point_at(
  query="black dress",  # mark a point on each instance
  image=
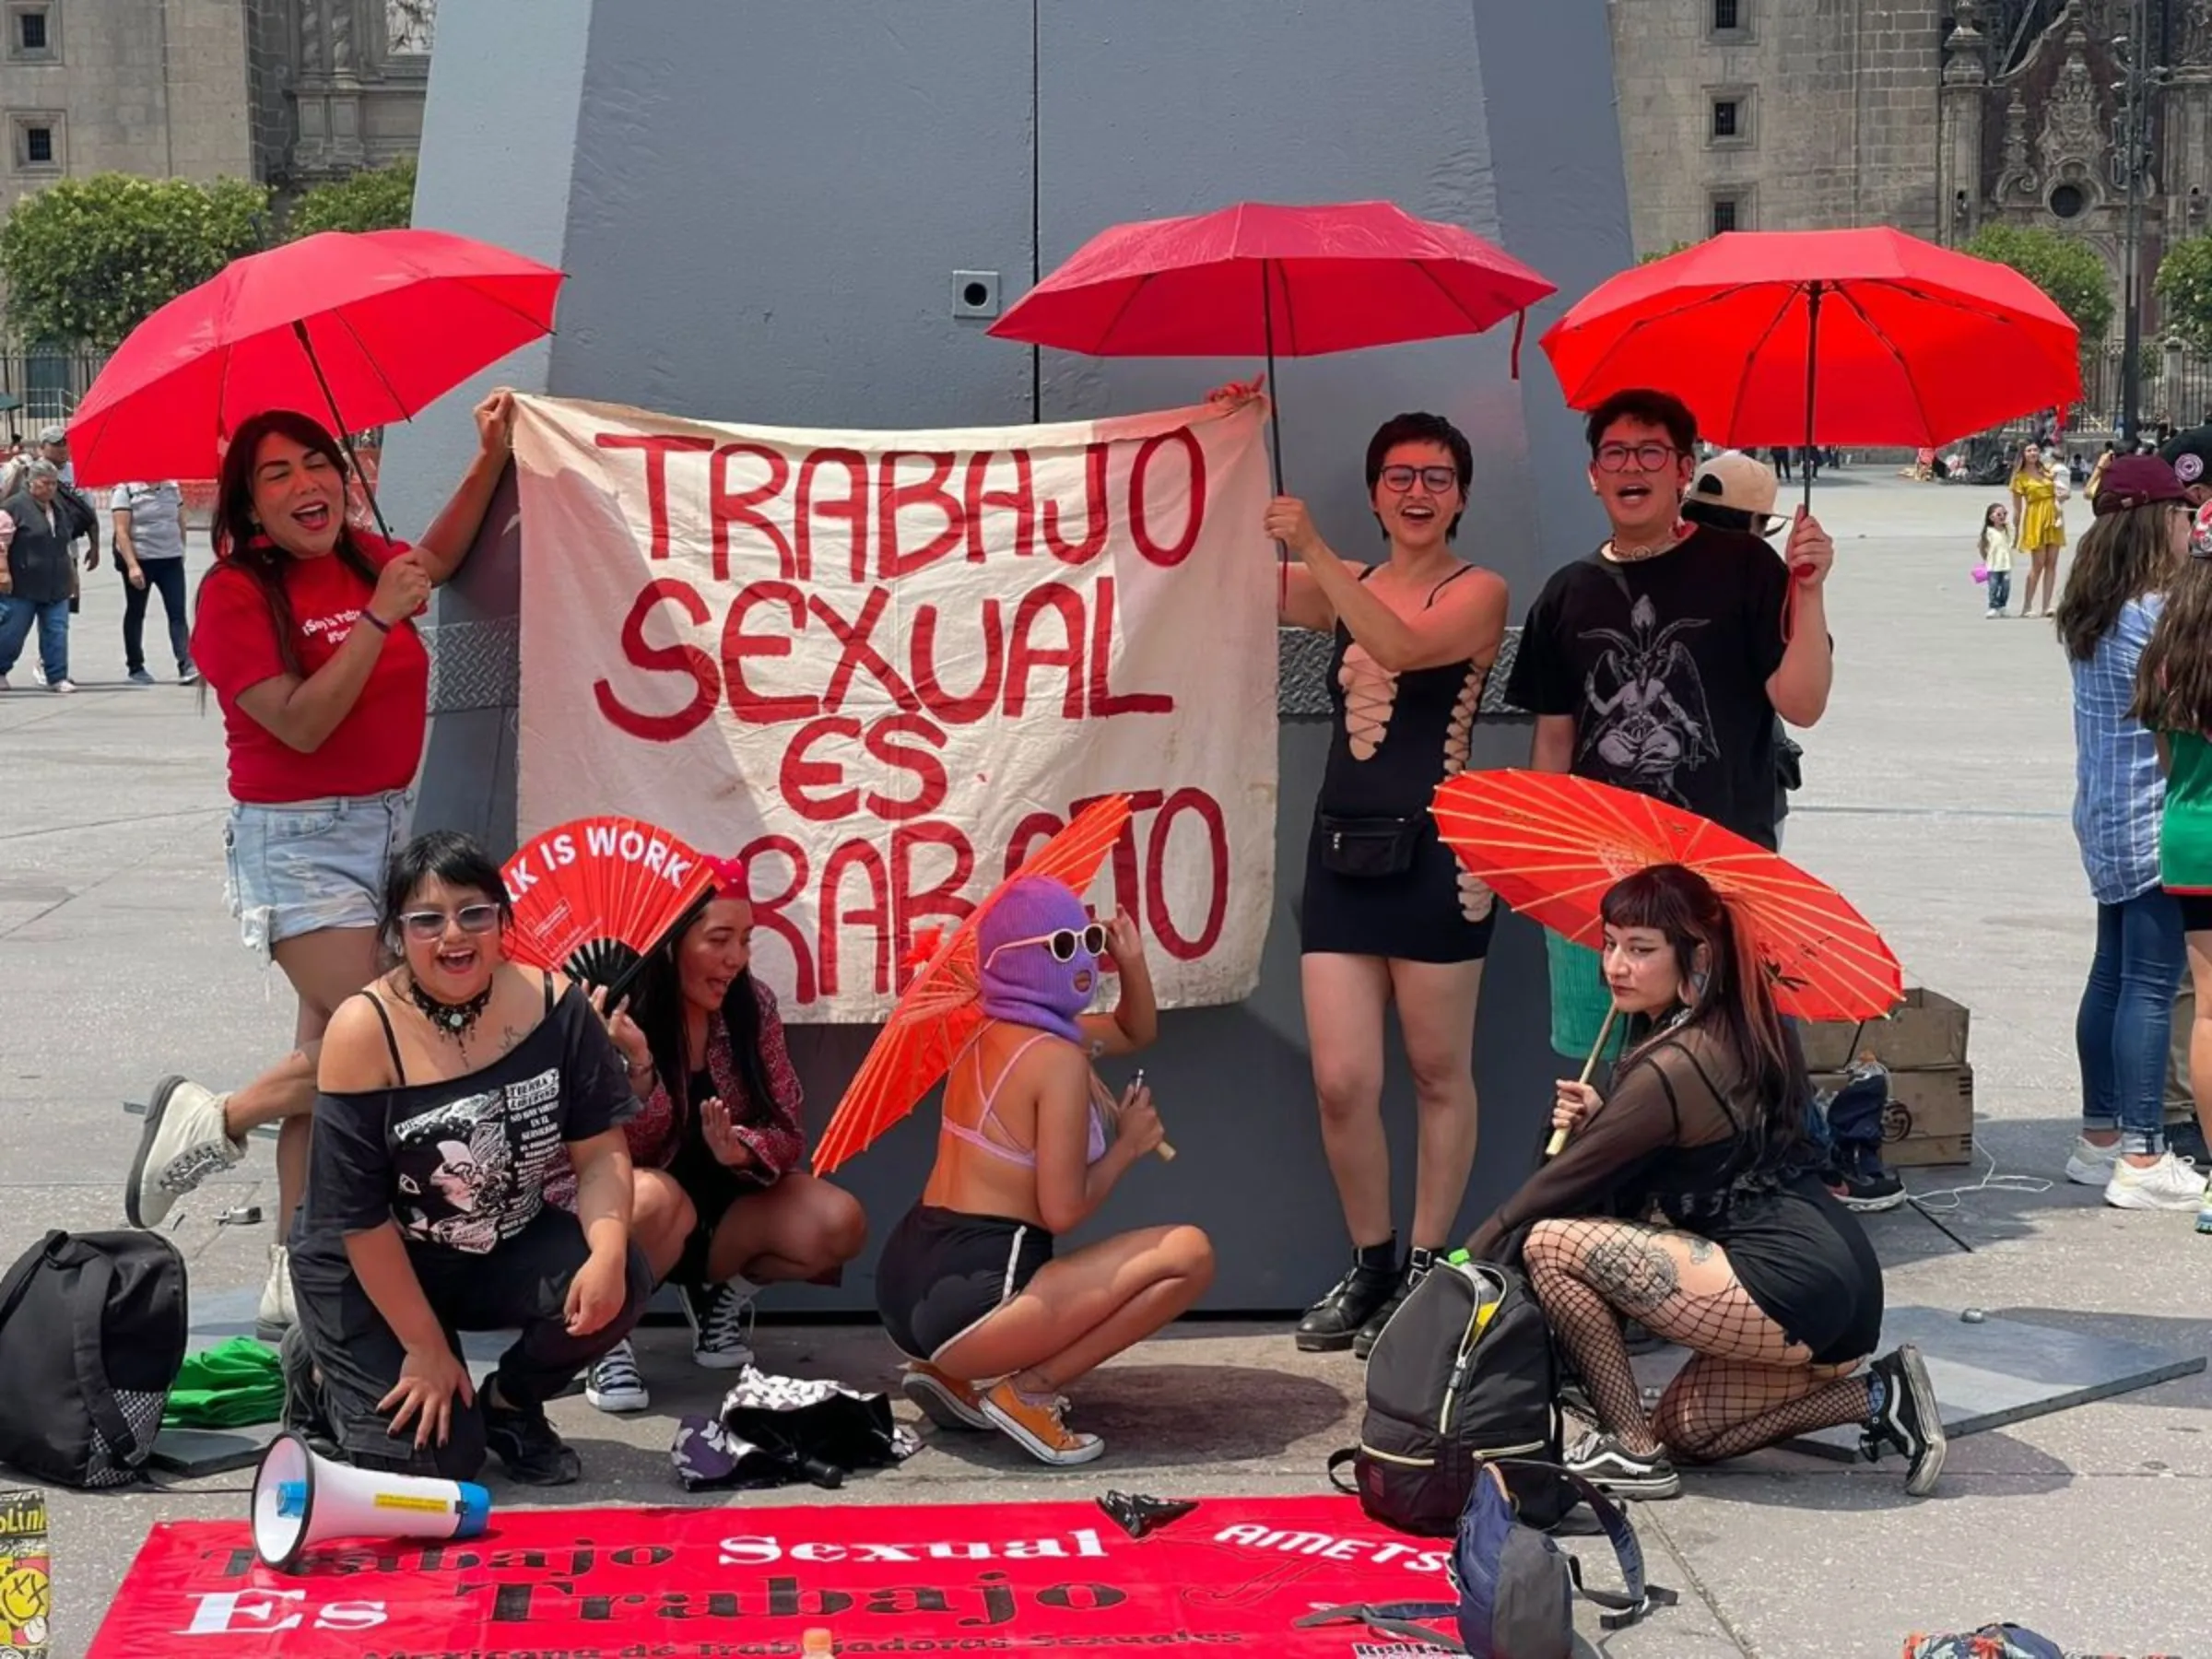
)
(1395, 737)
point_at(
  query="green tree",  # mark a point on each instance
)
(380, 198)
(2066, 269)
(86, 260)
(1666, 253)
(2184, 286)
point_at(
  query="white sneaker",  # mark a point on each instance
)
(63, 686)
(2171, 1183)
(720, 1317)
(277, 1314)
(185, 1141)
(614, 1381)
(38, 672)
(2091, 1165)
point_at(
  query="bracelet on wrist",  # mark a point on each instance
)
(375, 621)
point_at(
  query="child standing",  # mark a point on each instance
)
(1997, 555)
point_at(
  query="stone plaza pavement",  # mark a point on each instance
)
(1937, 796)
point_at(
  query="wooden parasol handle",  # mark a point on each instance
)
(1557, 1142)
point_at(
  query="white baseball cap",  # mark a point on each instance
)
(1742, 484)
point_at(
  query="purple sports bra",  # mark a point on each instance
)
(1009, 1150)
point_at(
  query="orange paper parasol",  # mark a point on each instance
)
(940, 1010)
(1550, 845)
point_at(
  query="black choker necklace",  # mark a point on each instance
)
(455, 1019)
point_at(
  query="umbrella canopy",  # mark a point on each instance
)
(1551, 845)
(939, 1011)
(1260, 277)
(361, 329)
(1823, 337)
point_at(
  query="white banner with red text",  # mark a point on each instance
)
(879, 668)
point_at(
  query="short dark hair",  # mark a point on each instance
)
(1419, 427)
(1652, 408)
(445, 856)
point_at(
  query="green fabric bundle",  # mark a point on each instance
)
(240, 1382)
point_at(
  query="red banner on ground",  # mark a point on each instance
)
(655, 1583)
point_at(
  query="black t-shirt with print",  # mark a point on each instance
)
(1663, 664)
(463, 1162)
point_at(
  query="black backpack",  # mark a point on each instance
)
(92, 1330)
(1462, 1374)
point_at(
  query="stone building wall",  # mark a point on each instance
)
(154, 86)
(1841, 101)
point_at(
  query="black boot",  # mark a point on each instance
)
(1332, 1324)
(1418, 1263)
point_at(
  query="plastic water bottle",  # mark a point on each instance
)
(817, 1644)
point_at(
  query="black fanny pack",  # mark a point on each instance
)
(1367, 846)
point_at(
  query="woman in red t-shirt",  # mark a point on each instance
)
(305, 632)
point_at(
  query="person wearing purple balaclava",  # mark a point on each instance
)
(993, 1323)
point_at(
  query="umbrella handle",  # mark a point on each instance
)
(1557, 1144)
(1165, 1152)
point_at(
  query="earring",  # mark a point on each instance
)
(1697, 987)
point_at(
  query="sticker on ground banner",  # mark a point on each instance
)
(1229, 1577)
(25, 1576)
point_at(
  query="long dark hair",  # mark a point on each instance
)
(2122, 556)
(446, 855)
(239, 539)
(2173, 682)
(1733, 1004)
(1989, 515)
(657, 1005)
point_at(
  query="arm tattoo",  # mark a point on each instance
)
(1700, 1249)
(1632, 1274)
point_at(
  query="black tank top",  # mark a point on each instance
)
(1397, 737)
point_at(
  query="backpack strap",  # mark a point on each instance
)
(1641, 1596)
(92, 1366)
(1338, 1461)
(1393, 1618)
(17, 1285)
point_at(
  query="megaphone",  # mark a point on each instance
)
(300, 1500)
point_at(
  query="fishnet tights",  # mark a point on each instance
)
(1746, 1384)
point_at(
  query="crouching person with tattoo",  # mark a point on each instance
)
(1767, 1281)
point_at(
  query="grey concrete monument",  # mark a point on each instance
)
(762, 205)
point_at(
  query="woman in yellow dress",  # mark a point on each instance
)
(2042, 526)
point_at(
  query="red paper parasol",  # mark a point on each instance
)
(939, 1011)
(1550, 845)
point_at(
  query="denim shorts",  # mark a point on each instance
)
(307, 866)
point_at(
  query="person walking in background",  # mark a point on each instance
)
(2114, 593)
(2173, 698)
(2039, 525)
(36, 576)
(1996, 556)
(1781, 461)
(149, 548)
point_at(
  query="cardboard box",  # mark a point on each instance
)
(1924, 1032)
(1930, 1118)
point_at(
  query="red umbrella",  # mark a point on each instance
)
(1262, 278)
(367, 328)
(1830, 337)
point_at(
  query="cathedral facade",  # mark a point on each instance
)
(1937, 118)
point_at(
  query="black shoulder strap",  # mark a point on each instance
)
(1391, 1619)
(18, 1282)
(547, 975)
(1446, 582)
(90, 1309)
(399, 1069)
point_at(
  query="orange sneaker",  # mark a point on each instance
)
(945, 1401)
(1034, 1425)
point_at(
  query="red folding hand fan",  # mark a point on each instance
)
(592, 897)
